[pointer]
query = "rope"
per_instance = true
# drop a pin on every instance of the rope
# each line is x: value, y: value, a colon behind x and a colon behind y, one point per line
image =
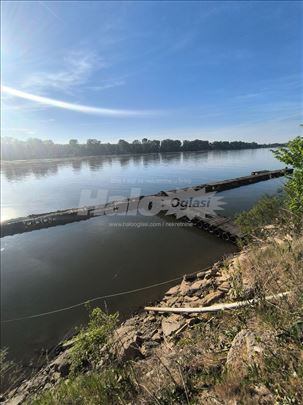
x: 55, y: 311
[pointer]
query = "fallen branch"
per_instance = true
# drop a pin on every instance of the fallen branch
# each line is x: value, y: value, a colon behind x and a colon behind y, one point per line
x: 218, y: 307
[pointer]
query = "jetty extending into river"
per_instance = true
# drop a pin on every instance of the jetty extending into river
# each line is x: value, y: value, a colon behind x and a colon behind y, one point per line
x: 221, y: 226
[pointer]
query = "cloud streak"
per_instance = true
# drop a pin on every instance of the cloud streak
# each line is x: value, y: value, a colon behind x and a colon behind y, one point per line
x: 51, y: 11
x: 78, y: 67
x: 107, y: 85
x: 108, y: 112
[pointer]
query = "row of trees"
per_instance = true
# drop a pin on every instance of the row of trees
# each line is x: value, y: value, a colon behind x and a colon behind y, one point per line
x: 34, y: 148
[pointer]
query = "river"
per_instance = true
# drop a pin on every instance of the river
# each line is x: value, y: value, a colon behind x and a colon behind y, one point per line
x: 58, y: 267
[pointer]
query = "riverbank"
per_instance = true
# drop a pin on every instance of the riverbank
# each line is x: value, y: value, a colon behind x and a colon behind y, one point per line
x: 222, y: 357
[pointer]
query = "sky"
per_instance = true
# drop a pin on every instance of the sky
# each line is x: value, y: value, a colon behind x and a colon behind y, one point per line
x: 225, y: 70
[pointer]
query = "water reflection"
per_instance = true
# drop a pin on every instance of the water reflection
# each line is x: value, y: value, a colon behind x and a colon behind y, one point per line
x: 77, y: 165
x: 18, y: 171
x: 95, y: 164
x: 171, y: 157
x: 137, y: 160
x: 124, y: 160
x: 236, y: 154
x: 153, y: 158
x: 195, y: 156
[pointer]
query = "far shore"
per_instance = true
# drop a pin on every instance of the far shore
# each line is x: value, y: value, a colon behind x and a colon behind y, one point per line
x: 76, y: 158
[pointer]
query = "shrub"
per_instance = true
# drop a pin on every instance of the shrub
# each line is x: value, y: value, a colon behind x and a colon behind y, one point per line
x: 293, y: 155
x: 267, y: 211
x: 92, y: 340
x: 90, y: 382
x: 11, y: 374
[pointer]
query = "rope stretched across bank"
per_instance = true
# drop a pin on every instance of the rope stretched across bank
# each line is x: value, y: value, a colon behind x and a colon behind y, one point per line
x: 55, y: 311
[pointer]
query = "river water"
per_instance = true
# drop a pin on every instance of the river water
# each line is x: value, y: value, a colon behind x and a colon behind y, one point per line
x: 58, y: 267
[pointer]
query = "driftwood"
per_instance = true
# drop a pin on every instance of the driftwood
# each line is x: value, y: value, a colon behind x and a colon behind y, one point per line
x: 217, y: 307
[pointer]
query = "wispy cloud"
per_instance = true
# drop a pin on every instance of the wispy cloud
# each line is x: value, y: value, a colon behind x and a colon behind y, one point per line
x: 27, y: 131
x: 75, y: 107
x: 107, y: 85
x: 77, y: 69
x: 50, y: 10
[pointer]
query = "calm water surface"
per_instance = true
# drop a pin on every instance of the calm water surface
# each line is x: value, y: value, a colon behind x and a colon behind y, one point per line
x: 57, y: 267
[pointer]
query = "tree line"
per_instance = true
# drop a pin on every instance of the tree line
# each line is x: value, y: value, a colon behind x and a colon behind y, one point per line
x: 34, y: 148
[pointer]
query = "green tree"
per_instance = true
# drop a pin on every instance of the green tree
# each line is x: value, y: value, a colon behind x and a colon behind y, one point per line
x: 293, y: 155
x: 170, y: 145
x: 124, y: 146
x: 93, y: 142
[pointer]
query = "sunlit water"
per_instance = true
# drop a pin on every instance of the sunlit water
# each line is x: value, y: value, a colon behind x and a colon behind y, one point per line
x: 58, y: 267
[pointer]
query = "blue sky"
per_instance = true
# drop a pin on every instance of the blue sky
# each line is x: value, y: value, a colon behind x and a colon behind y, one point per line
x: 183, y: 70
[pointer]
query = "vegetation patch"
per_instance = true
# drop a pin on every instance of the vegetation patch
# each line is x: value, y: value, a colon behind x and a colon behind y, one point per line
x: 92, y: 341
x: 111, y: 386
